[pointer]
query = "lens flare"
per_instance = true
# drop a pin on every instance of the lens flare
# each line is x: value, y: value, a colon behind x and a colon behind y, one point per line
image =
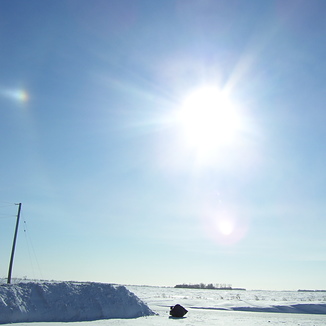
x: 226, y: 226
x: 17, y: 95
x: 22, y: 96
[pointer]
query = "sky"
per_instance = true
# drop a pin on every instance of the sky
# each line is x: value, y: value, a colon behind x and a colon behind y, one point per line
x: 164, y: 142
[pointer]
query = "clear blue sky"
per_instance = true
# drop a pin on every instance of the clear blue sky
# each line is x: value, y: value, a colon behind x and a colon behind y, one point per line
x: 112, y: 190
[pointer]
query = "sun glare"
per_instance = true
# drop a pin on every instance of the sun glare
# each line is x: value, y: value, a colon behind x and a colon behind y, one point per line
x: 208, y: 119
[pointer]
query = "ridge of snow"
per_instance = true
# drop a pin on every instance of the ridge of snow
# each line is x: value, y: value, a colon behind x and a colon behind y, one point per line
x: 67, y: 302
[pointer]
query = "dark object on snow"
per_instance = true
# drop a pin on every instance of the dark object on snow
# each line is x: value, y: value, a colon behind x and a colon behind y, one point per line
x: 178, y: 311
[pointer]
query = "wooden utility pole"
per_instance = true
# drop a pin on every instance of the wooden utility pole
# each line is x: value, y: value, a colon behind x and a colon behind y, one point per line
x: 14, y: 244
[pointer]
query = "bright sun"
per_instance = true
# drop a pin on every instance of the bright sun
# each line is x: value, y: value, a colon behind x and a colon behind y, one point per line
x: 208, y: 119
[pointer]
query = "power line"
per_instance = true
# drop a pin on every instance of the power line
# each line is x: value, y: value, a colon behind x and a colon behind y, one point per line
x: 6, y: 204
x: 29, y: 252
x: 6, y: 215
x: 30, y: 245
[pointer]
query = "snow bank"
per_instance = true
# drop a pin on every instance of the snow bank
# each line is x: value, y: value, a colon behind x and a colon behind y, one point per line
x: 67, y: 301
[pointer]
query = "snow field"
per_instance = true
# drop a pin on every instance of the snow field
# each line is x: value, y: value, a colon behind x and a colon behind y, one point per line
x: 205, y: 307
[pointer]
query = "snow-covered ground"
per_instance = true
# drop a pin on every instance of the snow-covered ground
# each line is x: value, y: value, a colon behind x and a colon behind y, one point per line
x: 67, y: 302
x: 218, y: 307
x: 232, y: 300
x: 243, y: 308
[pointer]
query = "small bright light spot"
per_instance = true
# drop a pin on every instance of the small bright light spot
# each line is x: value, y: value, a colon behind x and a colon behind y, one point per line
x: 22, y: 95
x: 18, y: 95
x: 225, y: 226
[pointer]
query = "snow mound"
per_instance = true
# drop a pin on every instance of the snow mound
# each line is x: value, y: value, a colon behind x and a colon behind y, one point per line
x: 67, y: 302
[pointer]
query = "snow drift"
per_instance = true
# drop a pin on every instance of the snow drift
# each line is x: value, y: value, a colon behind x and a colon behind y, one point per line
x: 67, y: 301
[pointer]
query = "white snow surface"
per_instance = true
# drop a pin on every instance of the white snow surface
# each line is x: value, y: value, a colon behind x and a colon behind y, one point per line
x: 229, y: 308
x: 233, y: 300
x: 205, y: 307
x: 67, y: 302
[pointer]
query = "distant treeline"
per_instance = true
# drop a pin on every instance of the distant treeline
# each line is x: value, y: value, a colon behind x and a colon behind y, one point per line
x: 209, y: 286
